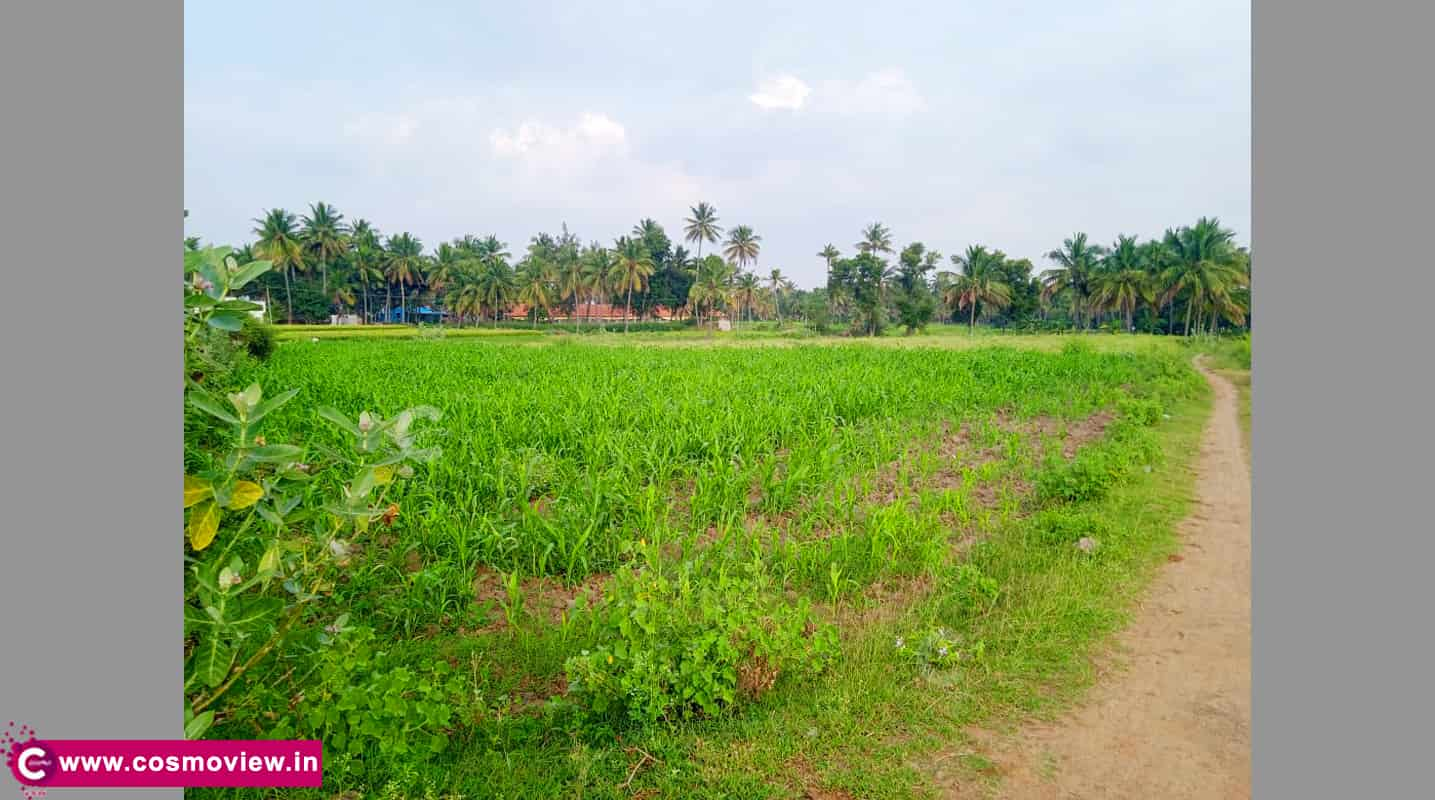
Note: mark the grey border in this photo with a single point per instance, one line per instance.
(1342, 552)
(90, 573)
(89, 576)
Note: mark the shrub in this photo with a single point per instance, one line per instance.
(693, 644)
(363, 701)
(1139, 411)
(257, 337)
(1086, 477)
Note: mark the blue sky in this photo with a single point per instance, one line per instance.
(1008, 124)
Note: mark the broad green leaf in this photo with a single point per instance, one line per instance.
(197, 300)
(259, 411)
(212, 660)
(383, 475)
(257, 611)
(249, 272)
(268, 515)
(244, 494)
(195, 727)
(227, 320)
(203, 524)
(276, 453)
(211, 407)
(337, 417)
(238, 305)
(196, 489)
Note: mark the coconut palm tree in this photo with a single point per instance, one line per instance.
(742, 246)
(496, 286)
(712, 286)
(746, 291)
(1121, 289)
(464, 298)
(632, 267)
(403, 265)
(489, 247)
(325, 236)
(777, 284)
(1077, 262)
(597, 268)
(978, 281)
(573, 284)
(364, 255)
(1121, 282)
(1206, 266)
(279, 243)
(702, 226)
(829, 254)
(192, 244)
(535, 286)
(876, 238)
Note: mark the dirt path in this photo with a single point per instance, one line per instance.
(1175, 723)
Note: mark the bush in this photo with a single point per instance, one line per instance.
(693, 644)
(1085, 478)
(258, 338)
(364, 701)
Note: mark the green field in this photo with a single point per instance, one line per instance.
(929, 489)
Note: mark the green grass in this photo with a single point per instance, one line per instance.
(568, 458)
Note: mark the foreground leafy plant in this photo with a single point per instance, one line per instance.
(694, 643)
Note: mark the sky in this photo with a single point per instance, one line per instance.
(1007, 124)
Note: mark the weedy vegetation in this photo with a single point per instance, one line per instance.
(566, 567)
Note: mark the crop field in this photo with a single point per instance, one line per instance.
(736, 570)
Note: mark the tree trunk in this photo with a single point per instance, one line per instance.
(1186, 326)
(366, 300)
(324, 278)
(403, 303)
(388, 302)
(288, 298)
(972, 320)
(628, 311)
(1128, 320)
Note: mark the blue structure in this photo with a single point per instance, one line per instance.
(420, 314)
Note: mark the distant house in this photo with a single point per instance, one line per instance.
(597, 312)
(420, 314)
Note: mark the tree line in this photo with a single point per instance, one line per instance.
(1191, 279)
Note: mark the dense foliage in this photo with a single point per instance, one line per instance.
(1190, 279)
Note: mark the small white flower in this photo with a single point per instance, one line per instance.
(1146, 469)
(1087, 544)
(901, 643)
(313, 338)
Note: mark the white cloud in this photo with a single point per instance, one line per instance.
(781, 92)
(593, 138)
(886, 91)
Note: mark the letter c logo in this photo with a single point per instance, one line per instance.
(22, 763)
